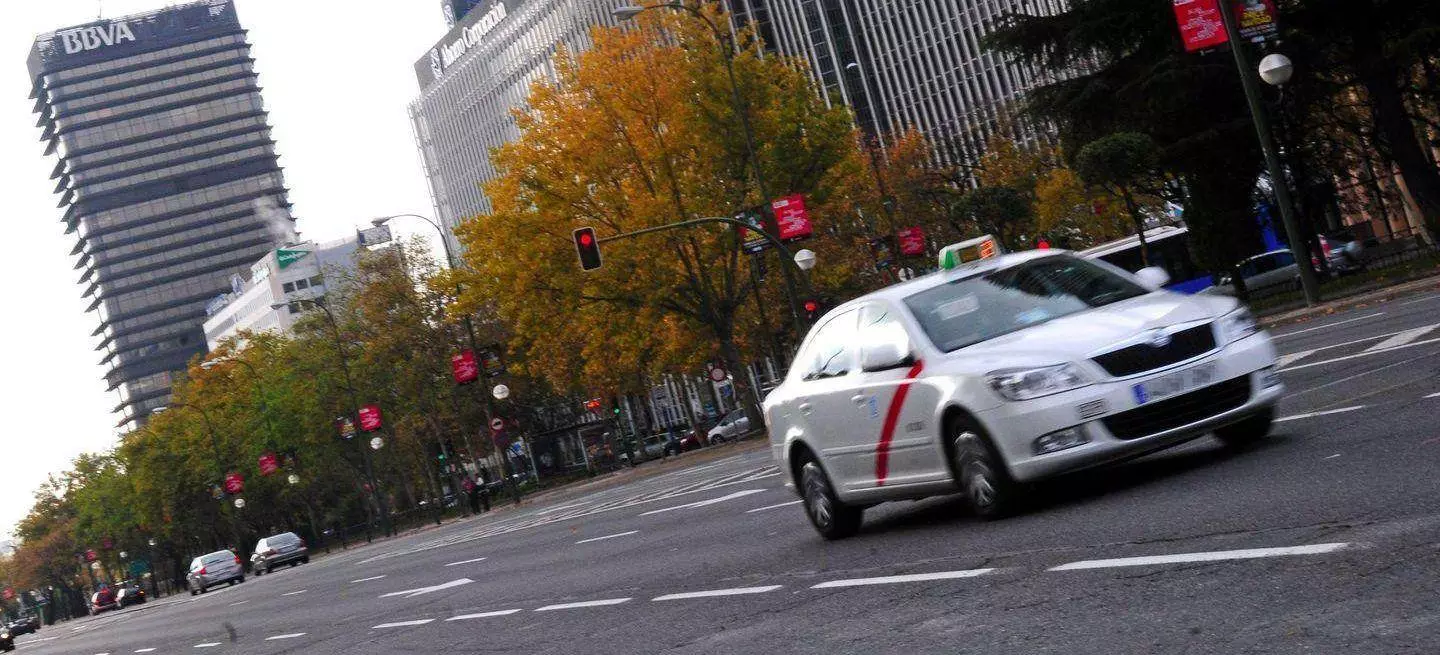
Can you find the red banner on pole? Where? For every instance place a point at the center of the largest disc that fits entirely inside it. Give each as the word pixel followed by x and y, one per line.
pixel 792 217
pixel 911 240
pixel 269 464
pixel 234 483
pixel 464 367
pixel 370 418
pixel 1201 25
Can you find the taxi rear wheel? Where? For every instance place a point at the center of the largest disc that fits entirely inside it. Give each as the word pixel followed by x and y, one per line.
pixel 832 518
pixel 981 475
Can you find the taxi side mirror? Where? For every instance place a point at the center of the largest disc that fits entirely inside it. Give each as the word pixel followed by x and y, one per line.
pixel 884 355
pixel 1153 278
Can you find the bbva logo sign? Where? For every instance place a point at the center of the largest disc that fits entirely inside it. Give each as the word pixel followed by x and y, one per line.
pixel 82 39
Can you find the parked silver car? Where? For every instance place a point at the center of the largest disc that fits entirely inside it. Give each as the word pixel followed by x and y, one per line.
pixel 279 550
pixel 1265 274
pixel 732 427
pixel 219 567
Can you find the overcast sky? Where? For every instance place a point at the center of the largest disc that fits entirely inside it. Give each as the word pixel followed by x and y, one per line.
pixel 337 77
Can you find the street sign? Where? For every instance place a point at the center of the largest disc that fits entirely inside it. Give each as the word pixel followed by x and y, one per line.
pixel 464 367
pixel 138 568
pixel 269 464
pixel 497 424
pixel 234 483
pixel 370 417
pixel 911 241
pixel 346 427
pixel 718 373
pixel 374 236
pixel 517 448
pixel 217 492
pixel 491 361
pixel 91 555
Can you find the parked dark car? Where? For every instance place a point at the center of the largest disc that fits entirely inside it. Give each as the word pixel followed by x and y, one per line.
pixel 128 593
pixel 279 550
pixel 24 625
pixel 7 639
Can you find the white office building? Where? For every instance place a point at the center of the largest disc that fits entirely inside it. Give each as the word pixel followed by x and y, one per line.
pixel 281 286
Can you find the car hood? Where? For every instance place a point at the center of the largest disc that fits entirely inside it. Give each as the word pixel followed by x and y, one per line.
pixel 1081 335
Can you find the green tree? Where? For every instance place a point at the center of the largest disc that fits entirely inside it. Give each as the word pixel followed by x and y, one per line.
pixel 1126 165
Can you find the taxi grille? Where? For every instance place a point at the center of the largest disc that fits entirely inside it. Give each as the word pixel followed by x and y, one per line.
pixel 1181 410
pixel 1185 344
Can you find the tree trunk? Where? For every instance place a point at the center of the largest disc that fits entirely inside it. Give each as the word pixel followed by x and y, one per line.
pixel 1139 220
pixel 1397 138
pixel 744 395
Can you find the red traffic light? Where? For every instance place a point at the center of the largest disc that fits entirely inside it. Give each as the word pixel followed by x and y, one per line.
pixel 588 247
pixel 811 306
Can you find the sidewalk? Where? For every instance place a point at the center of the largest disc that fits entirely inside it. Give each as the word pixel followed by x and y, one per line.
pixel 1377 292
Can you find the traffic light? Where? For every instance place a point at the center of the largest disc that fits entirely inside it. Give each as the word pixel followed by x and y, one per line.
pixel 588 248
pixel 812 308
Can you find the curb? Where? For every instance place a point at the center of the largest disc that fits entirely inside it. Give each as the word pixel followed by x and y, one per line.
pixel 1358 297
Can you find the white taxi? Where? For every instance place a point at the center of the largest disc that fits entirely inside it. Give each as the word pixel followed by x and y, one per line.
pixel 1002 369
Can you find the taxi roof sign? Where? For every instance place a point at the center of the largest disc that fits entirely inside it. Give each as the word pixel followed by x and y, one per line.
pixel 972 250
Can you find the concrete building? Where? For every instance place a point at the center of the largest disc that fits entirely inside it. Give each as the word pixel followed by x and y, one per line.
pixel 167 177
pixel 294 276
pixel 899 65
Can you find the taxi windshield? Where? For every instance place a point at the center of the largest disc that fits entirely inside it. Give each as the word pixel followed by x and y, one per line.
pixel 974 309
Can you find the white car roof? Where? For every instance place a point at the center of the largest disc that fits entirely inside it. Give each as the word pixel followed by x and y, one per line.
pixel 896 293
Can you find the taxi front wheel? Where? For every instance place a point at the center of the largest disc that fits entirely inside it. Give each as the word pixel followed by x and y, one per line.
pixel 980 473
pixel 832 518
pixel 1248 431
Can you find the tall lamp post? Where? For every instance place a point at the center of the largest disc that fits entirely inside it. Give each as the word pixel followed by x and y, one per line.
pixel 469 325
pixel 742 109
pixel 354 409
pixel 501 393
pixel 1272 153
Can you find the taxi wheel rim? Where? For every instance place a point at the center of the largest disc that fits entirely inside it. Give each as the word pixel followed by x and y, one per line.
pixel 818 498
pixel 982 489
pixel 978 478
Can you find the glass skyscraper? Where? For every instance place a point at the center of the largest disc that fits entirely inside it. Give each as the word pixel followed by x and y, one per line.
pixel 167 176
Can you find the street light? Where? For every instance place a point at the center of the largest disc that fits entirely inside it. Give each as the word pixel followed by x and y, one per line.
pixel 374 489
pixel 501 392
pixel 1276 69
pixel 742 109
pixel 805 259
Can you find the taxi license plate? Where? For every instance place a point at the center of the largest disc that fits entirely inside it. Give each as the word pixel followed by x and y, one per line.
pixel 1173 384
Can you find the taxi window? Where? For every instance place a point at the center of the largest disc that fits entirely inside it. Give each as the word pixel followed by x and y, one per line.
pixel 831 352
pixel 878 325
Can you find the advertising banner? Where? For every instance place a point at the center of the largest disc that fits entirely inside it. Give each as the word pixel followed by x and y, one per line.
pixel 1256 20
pixel 464 367
pixel 234 483
pixel 912 241
pixel 792 218
pixel 1201 25
pixel 370 418
pixel 269 463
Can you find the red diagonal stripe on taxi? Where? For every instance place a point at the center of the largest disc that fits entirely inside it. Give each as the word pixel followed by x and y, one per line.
pixel 892 417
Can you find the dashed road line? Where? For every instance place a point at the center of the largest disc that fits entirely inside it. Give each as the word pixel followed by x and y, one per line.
pixel 776 506
pixel 1212 556
pixel 293 635
pixel 374 577
pixel 608 536
pixel 483 615
pixel 703 503
pixel 1419 300
pixel 145 650
pixel 295 593
pixel 1327 412
pixel 239 602
pixel 715 593
pixel 1286 360
pixel 208 644
pixel 1329 325
pixel 1367 353
pixel 1433 395
pixel 468 561
pixel 421 591
pixel 1402 338
pixel 401 624
pixel 898 579
pixel 583 604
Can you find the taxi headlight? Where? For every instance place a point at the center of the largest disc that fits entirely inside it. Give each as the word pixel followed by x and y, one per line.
pixel 1027 383
pixel 1237 325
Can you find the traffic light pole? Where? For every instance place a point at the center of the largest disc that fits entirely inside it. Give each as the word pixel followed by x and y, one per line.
pixel 789 258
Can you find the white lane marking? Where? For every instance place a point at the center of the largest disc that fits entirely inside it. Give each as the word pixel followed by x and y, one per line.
pixel 293 635
pixel 1433 395
pixel 703 503
pixel 714 593
pixel 589 603
pixel 1327 412
pixel 208 644
pixel 421 591
pixel 1331 456
pixel 468 561
pixel 34 641
pixel 1286 360
pixel 145 650
pixel 482 615
pixel 897 579
pixel 239 602
pixel 401 624
pixel 1327 325
pixel 608 536
pixel 377 577
pixel 552 510
pixel 1418 300
pixel 295 593
pixel 1403 338
pixel 1212 556
pixel 777 506
pixel 1366 353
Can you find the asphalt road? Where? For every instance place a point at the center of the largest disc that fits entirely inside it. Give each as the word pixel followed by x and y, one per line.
pixel 1324 538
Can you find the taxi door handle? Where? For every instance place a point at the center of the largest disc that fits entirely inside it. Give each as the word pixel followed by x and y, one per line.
pixel 860 399
pixel 806 408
